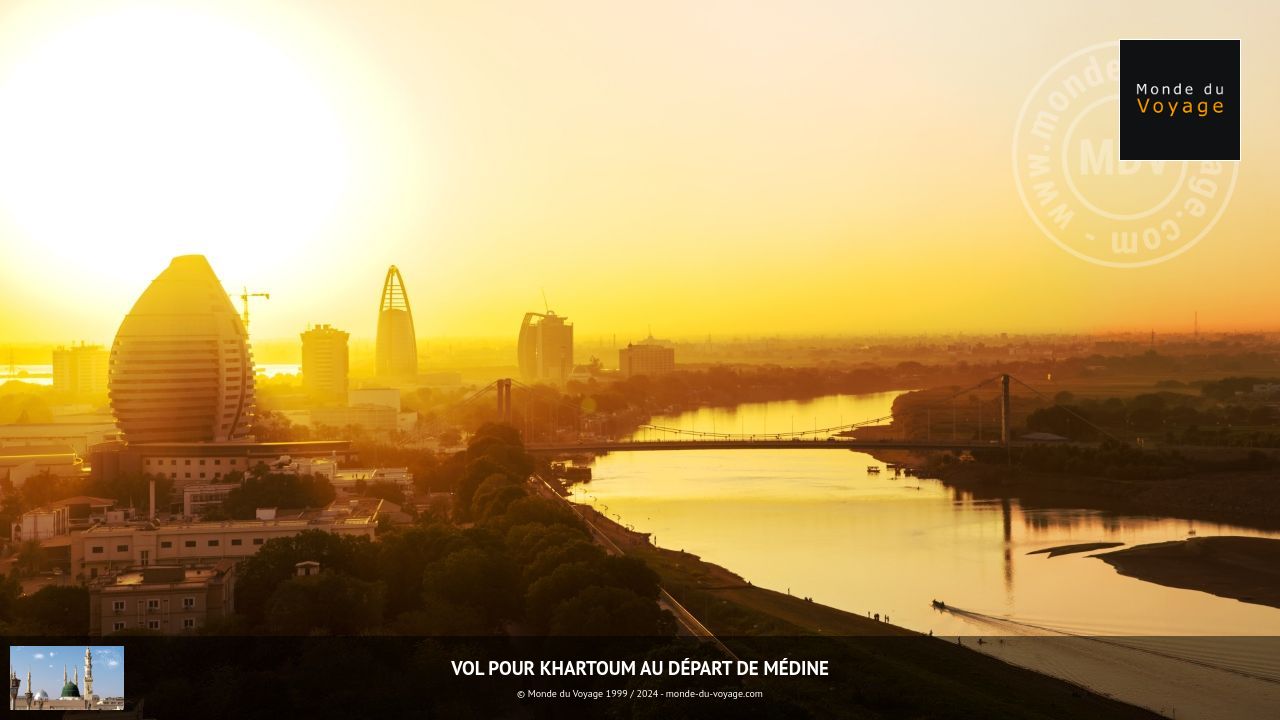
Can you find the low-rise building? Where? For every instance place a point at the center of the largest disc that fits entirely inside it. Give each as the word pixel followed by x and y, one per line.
pixel 372 417
pixel 170 599
pixel 18 465
pixel 381 396
pixel 66 434
pixel 60 518
pixel 110 547
pixel 347 478
pixel 188 463
pixel 199 499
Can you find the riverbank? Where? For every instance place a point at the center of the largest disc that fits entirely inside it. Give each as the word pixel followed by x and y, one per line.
pixel 888 671
pixel 1249 498
pixel 1246 569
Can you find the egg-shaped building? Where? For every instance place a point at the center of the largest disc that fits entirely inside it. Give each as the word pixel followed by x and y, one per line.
pixel 180 368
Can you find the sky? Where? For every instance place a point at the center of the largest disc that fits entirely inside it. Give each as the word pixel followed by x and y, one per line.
pixel 713 167
pixel 46 662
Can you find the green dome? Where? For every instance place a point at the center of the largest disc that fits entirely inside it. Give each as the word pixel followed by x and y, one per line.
pixel 70 690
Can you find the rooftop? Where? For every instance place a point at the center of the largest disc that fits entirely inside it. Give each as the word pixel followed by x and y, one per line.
pixel 165 575
pixel 356 511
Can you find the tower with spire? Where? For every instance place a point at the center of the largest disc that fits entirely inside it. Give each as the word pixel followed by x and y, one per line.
pixel 14 684
pixel 88 673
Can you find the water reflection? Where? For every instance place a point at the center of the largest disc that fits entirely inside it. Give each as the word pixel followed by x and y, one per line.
pixel 818 522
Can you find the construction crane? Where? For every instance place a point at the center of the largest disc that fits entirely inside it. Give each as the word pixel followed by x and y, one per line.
pixel 244 299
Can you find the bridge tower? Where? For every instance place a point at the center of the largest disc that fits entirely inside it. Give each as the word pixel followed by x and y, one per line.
pixel 1004 409
pixel 503 387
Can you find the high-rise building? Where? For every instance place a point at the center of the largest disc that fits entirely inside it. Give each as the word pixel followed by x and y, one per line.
pixel 397 352
pixel 180 367
pixel 646 358
pixel 545 348
pixel 324 363
pixel 80 369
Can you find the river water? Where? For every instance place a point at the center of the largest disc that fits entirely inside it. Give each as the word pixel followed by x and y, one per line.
pixel 817 523
pixel 43 374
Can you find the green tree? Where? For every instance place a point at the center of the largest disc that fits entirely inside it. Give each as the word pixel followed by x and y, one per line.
pixel 478 578
pixel 329 604
pixel 54 610
pixel 265 489
pixel 385 490
pixel 610 611
pixel 260 574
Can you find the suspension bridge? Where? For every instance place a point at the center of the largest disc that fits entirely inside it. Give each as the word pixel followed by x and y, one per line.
pixel 544 412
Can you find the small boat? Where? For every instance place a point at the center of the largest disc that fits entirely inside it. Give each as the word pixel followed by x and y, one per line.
pixel 939 605
pixel 873 469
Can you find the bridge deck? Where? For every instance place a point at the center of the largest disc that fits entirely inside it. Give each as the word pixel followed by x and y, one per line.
pixel 832 444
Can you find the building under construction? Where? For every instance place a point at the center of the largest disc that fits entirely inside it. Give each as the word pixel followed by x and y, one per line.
pixel 545 349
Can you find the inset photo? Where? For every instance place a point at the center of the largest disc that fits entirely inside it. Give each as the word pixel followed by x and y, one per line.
pixel 65 677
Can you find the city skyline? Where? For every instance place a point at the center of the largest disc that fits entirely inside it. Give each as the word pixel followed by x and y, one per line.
pixel 752 179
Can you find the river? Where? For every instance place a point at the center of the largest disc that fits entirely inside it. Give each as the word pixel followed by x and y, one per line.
pixel 818 523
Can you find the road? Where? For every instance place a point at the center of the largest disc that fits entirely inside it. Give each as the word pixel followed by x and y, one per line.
pixel 690 624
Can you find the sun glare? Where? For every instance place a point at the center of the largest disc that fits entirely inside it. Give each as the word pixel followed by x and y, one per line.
pixel 155 131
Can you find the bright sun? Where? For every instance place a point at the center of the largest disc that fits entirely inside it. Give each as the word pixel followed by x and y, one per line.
pixel 154 131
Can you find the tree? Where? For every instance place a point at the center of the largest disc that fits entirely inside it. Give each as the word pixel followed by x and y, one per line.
pixel 258 575
pixel 55 610
pixel 607 611
pixel 385 490
pixel 30 560
pixel 10 591
pixel 478 578
pixel 494 495
pixel 548 592
pixel 534 509
pixel 265 489
pixel 330 603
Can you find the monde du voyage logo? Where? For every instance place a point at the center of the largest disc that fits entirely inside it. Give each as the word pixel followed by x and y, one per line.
pixel 1124 152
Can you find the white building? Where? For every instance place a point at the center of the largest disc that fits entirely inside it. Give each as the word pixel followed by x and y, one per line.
pixel 105 548
pixel 60 518
pixel 80 369
pixel 347 478
pixel 379 396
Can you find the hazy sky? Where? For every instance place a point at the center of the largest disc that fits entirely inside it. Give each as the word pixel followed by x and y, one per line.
pixel 695 166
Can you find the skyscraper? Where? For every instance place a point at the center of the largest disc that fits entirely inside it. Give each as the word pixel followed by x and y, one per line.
pixel 545 348
pixel 80 369
pixel 324 363
pixel 397 352
pixel 180 367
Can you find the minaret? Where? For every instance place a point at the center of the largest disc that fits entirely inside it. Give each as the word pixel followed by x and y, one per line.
pixel 75 677
pixel 88 673
pixel 29 694
pixel 64 674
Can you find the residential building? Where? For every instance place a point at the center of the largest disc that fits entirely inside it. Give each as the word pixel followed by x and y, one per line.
pixel 80 369
pixel 110 547
pixel 646 358
pixel 170 600
pixel 324 363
